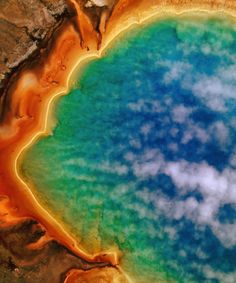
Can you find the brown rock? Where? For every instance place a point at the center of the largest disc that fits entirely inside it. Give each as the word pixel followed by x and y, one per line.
pixel 48 264
pixel 95 8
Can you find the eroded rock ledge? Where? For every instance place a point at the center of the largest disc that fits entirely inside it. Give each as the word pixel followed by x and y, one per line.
pixel 48 264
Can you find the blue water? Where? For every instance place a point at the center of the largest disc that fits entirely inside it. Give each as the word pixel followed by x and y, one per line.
pixel 143 156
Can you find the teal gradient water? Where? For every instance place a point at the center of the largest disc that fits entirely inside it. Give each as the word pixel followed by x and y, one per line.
pixel 143 156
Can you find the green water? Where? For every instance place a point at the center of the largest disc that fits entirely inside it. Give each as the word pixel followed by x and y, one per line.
pixel 143 156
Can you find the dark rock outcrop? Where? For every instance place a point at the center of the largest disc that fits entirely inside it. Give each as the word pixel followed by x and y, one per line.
pixel 47 264
pixel 95 8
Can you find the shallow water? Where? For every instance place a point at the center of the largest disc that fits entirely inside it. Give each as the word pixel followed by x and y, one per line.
pixel 143 156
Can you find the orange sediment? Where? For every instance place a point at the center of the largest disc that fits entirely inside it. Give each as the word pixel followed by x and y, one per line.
pixel 96 275
pixel 31 100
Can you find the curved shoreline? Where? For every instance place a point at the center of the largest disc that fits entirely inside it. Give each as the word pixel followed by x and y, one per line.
pixel 50 220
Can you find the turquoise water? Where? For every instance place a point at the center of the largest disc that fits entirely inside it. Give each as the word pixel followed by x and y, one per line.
pixel 143 156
